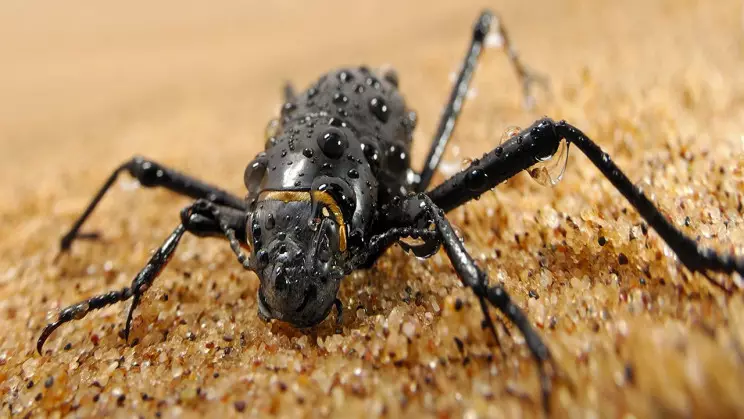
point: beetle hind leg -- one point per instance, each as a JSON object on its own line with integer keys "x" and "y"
{"x": 528, "y": 78}
{"x": 487, "y": 28}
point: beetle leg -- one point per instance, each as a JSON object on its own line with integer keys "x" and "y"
{"x": 289, "y": 92}
{"x": 140, "y": 283}
{"x": 695, "y": 257}
{"x": 518, "y": 153}
{"x": 152, "y": 174}
{"x": 459, "y": 92}
{"x": 526, "y": 76}
{"x": 541, "y": 140}
{"x": 217, "y": 220}
{"x": 473, "y": 277}
{"x": 203, "y": 218}
{"x": 378, "y": 244}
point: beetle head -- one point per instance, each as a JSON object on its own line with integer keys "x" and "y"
{"x": 298, "y": 251}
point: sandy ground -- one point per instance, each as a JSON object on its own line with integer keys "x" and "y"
{"x": 84, "y": 85}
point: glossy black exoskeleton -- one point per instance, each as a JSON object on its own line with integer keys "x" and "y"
{"x": 334, "y": 189}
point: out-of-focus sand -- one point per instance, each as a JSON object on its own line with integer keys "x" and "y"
{"x": 84, "y": 85}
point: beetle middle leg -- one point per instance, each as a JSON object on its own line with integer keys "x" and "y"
{"x": 203, "y": 218}
{"x": 459, "y": 92}
{"x": 151, "y": 174}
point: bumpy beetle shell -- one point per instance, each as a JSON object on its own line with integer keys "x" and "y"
{"x": 349, "y": 134}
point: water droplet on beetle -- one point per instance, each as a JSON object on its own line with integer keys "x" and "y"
{"x": 509, "y": 133}
{"x": 335, "y": 122}
{"x": 549, "y": 171}
{"x": 466, "y": 162}
{"x": 397, "y": 159}
{"x": 371, "y": 153}
{"x": 287, "y": 108}
{"x": 379, "y": 109}
{"x": 333, "y": 143}
{"x": 308, "y": 152}
{"x": 476, "y": 179}
{"x": 373, "y": 82}
{"x": 341, "y": 192}
{"x": 340, "y": 99}
{"x": 353, "y": 174}
{"x": 255, "y": 172}
{"x": 345, "y": 77}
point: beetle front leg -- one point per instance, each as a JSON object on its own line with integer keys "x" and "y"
{"x": 203, "y": 218}
{"x": 421, "y": 205}
{"x": 378, "y": 244}
{"x": 140, "y": 283}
